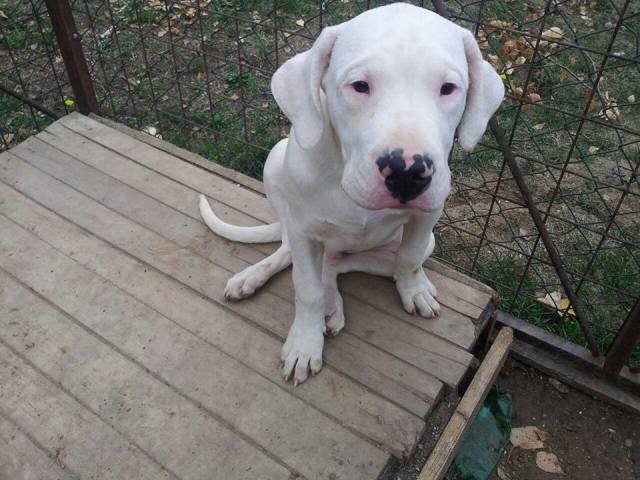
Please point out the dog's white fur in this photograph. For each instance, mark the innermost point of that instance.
(335, 213)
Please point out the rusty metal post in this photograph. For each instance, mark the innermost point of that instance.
(68, 38)
(626, 340)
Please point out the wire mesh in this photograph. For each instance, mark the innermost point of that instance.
(197, 73)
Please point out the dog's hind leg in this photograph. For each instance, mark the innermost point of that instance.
(246, 282)
(376, 262)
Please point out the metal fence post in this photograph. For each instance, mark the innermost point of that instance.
(626, 339)
(68, 38)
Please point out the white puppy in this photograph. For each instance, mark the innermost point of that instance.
(363, 177)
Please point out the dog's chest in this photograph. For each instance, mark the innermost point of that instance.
(356, 233)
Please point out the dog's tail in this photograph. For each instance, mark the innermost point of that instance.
(257, 234)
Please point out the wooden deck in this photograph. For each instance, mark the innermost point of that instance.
(120, 359)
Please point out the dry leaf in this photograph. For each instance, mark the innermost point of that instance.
(200, 76)
(555, 301)
(554, 33)
(190, 12)
(563, 75)
(520, 60)
(593, 149)
(548, 462)
(161, 33)
(265, 105)
(538, 126)
(534, 97)
(3, 15)
(528, 438)
(300, 23)
(151, 130)
(234, 97)
(631, 99)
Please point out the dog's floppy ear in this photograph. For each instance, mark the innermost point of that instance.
(296, 87)
(485, 94)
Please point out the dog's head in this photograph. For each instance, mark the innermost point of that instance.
(391, 86)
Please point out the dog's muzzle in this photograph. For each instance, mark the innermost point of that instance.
(405, 182)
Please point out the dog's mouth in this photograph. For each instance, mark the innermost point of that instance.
(381, 199)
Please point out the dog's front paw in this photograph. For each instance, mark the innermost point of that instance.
(417, 293)
(302, 352)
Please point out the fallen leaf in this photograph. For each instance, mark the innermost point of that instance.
(265, 105)
(69, 102)
(200, 76)
(161, 33)
(538, 126)
(564, 75)
(593, 149)
(300, 23)
(234, 97)
(631, 99)
(150, 130)
(554, 33)
(548, 462)
(190, 12)
(528, 438)
(6, 140)
(3, 15)
(520, 60)
(534, 97)
(33, 46)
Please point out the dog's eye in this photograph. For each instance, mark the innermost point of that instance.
(447, 88)
(360, 87)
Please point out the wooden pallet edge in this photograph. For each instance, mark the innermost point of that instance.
(462, 418)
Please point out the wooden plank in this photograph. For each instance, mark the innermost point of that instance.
(451, 439)
(232, 194)
(372, 367)
(255, 408)
(332, 393)
(171, 430)
(63, 428)
(381, 293)
(186, 155)
(558, 366)
(190, 234)
(21, 459)
(442, 268)
(428, 353)
(193, 177)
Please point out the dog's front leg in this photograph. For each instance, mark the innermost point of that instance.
(416, 291)
(302, 352)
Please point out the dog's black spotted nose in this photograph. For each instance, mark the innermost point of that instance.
(404, 183)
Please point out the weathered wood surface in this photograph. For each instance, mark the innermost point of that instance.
(119, 357)
(451, 439)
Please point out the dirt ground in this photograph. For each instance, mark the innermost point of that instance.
(592, 440)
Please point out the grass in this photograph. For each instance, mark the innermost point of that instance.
(233, 119)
